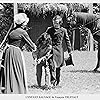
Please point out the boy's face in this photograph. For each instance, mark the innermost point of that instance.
(56, 23)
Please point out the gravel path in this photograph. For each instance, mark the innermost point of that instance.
(78, 79)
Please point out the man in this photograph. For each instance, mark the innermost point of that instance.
(57, 34)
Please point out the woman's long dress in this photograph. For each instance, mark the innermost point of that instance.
(15, 72)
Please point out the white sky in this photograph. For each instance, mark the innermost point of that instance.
(50, 1)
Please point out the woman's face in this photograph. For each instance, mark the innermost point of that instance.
(24, 25)
(56, 23)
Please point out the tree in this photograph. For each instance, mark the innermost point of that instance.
(6, 18)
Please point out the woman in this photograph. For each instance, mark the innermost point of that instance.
(15, 73)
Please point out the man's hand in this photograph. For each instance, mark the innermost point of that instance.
(50, 47)
(70, 55)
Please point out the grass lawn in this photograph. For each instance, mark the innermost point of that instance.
(74, 79)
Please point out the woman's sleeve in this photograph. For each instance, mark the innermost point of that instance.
(67, 40)
(28, 40)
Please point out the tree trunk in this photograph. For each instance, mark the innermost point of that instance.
(91, 37)
(15, 10)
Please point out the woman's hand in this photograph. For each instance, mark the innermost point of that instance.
(34, 54)
(35, 48)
